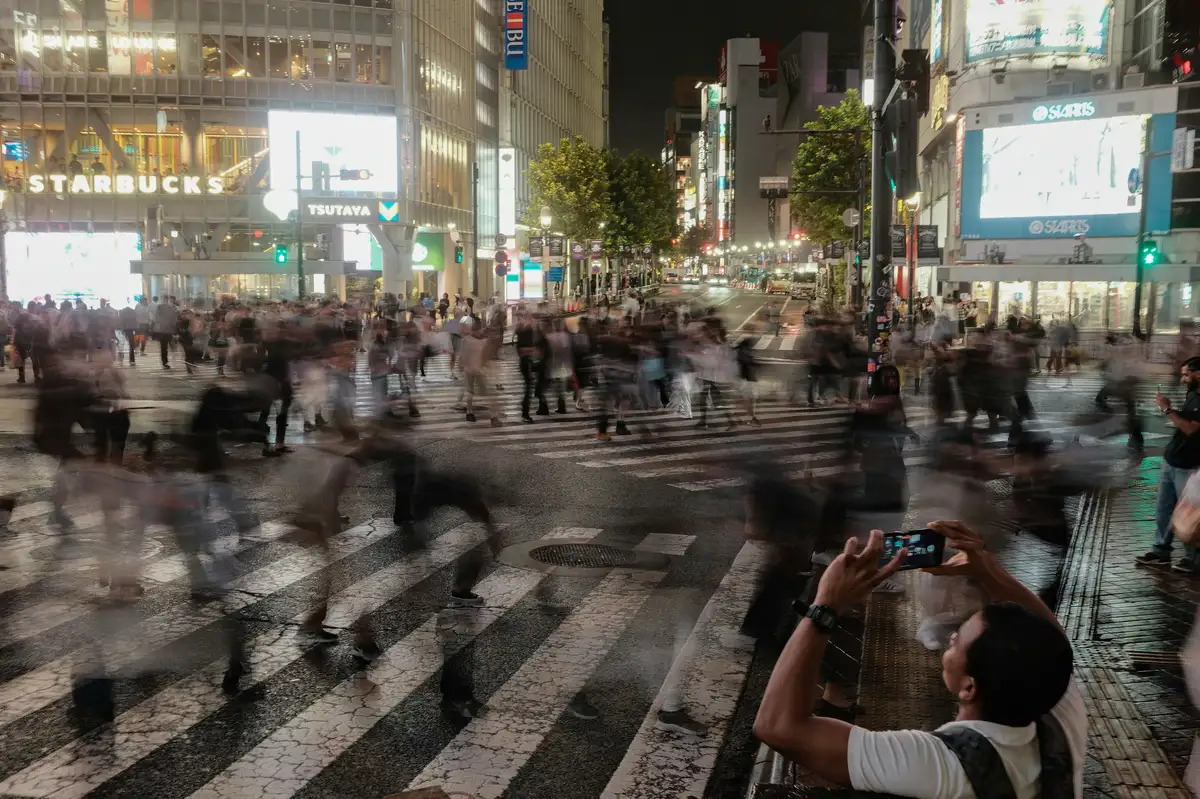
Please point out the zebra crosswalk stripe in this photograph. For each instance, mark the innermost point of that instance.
(37, 688)
(526, 707)
(87, 762)
(300, 749)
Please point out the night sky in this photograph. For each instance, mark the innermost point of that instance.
(653, 41)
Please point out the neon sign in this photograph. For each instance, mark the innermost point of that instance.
(124, 184)
(1052, 113)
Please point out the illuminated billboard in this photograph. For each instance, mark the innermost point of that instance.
(352, 142)
(71, 265)
(1078, 176)
(1000, 29)
(1075, 168)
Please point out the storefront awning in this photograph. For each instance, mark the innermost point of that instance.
(1098, 273)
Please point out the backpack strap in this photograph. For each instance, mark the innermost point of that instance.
(1057, 778)
(981, 762)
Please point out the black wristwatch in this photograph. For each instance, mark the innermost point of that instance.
(823, 617)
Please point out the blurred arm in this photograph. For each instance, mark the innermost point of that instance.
(785, 719)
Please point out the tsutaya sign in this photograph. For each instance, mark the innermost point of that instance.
(123, 184)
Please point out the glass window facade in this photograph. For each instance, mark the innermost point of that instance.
(154, 37)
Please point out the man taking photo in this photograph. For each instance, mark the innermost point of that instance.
(1021, 729)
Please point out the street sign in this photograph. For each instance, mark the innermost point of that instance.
(1134, 181)
(1183, 149)
(556, 275)
(927, 242)
(577, 250)
(898, 248)
(837, 251)
(536, 247)
(595, 269)
(558, 246)
(850, 217)
(596, 248)
(647, 249)
(501, 256)
(501, 240)
(501, 270)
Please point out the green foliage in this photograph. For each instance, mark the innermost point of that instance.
(643, 203)
(573, 181)
(827, 163)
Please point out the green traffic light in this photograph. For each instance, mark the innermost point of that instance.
(281, 255)
(1149, 258)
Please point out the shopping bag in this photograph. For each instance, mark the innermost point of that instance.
(1186, 517)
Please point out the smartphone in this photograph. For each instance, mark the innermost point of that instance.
(925, 548)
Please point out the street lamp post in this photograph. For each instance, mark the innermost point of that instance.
(545, 219)
(913, 203)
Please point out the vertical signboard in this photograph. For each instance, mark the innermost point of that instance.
(960, 144)
(936, 28)
(516, 34)
(507, 185)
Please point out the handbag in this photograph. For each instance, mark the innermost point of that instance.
(1185, 519)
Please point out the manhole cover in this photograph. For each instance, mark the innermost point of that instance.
(583, 556)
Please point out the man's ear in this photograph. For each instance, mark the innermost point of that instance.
(967, 691)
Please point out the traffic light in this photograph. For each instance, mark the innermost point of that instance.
(458, 253)
(355, 174)
(1150, 255)
(901, 162)
(281, 254)
(915, 71)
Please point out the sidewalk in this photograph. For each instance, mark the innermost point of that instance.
(1127, 624)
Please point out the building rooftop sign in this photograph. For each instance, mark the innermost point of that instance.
(123, 184)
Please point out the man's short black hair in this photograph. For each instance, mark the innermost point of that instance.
(1021, 663)
(1193, 364)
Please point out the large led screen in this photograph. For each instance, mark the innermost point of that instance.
(1001, 29)
(1062, 169)
(73, 265)
(343, 141)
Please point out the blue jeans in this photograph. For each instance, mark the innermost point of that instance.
(1170, 487)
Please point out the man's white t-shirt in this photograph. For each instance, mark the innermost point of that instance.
(917, 764)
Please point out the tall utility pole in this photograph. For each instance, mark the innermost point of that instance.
(299, 223)
(881, 287)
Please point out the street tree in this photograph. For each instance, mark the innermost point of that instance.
(572, 180)
(643, 202)
(826, 163)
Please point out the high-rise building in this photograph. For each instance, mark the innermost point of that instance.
(1054, 143)
(556, 92)
(157, 146)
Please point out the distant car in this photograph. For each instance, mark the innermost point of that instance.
(803, 291)
(691, 280)
(718, 280)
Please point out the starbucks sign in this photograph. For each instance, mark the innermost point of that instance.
(124, 184)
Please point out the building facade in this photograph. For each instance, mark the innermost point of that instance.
(164, 146)
(1052, 148)
(762, 93)
(560, 93)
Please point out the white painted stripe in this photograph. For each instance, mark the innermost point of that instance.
(789, 343)
(669, 471)
(707, 676)
(82, 765)
(713, 452)
(485, 757)
(299, 750)
(666, 543)
(579, 533)
(36, 689)
(737, 482)
(764, 342)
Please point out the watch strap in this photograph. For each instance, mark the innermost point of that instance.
(823, 617)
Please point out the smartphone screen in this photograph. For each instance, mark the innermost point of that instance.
(925, 548)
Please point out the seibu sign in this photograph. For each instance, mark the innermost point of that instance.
(123, 184)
